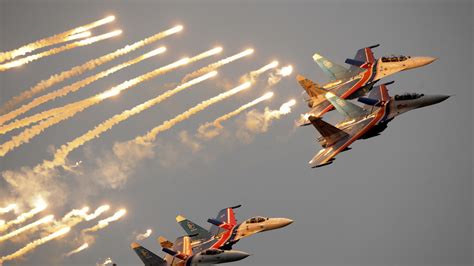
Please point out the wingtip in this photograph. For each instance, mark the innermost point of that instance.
(300, 77)
(316, 56)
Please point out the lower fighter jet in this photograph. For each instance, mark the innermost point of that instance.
(225, 231)
(185, 257)
(363, 122)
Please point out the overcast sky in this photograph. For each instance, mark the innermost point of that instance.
(402, 198)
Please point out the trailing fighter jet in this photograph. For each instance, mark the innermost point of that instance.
(355, 81)
(185, 257)
(363, 122)
(225, 231)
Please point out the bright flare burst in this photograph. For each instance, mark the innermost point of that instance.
(77, 250)
(89, 65)
(27, 227)
(105, 222)
(8, 208)
(58, 38)
(286, 71)
(63, 92)
(34, 244)
(216, 65)
(57, 50)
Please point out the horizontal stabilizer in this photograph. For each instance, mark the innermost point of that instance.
(220, 224)
(149, 258)
(165, 243)
(330, 133)
(369, 101)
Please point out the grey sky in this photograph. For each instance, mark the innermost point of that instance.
(403, 198)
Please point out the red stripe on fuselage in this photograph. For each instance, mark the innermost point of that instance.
(378, 117)
(225, 237)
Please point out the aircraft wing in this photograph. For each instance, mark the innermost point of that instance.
(352, 132)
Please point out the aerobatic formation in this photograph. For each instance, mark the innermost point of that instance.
(214, 246)
(34, 195)
(360, 122)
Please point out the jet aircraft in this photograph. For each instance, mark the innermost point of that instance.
(363, 122)
(225, 231)
(355, 81)
(185, 257)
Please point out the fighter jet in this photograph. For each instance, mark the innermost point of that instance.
(363, 122)
(355, 81)
(186, 256)
(225, 231)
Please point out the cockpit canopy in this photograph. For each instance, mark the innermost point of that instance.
(395, 58)
(212, 251)
(408, 96)
(256, 219)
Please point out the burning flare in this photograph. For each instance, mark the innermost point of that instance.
(204, 130)
(8, 208)
(34, 244)
(280, 73)
(79, 32)
(27, 227)
(31, 58)
(63, 92)
(105, 222)
(77, 250)
(89, 65)
(216, 65)
(252, 76)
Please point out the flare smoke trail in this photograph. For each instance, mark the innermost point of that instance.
(8, 208)
(53, 51)
(105, 222)
(204, 130)
(252, 76)
(257, 122)
(65, 91)
(34, 244)
(150, 137)
(55, 39)
(70, 110)
(89, 65)
(144, 235)
(61, 154)
(280, 73)
(27, 227)
(106, 262)
(39, 207)
(81, 35)
(77, 250)
(216, 65)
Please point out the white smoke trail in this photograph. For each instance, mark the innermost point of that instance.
(280, 73)
(144, 235)
(27, 227)
(105, 222)
(8, 208)
(55, 39)
(87, 66)
(77, 250)
(53, 51)
(40, 206)
(34, 244)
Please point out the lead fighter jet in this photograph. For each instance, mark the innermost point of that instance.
(355, 81)
(363, 122)
(225, 231)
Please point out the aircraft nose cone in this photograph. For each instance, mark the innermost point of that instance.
(235, 255)
(286, 222)
(434, 99)
(425, 60)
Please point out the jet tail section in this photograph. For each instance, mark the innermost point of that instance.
(380, 92)
(331, 69)
(192, 228)
(330, 133)
(315, 92)
(148, 257)
(345, 107)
